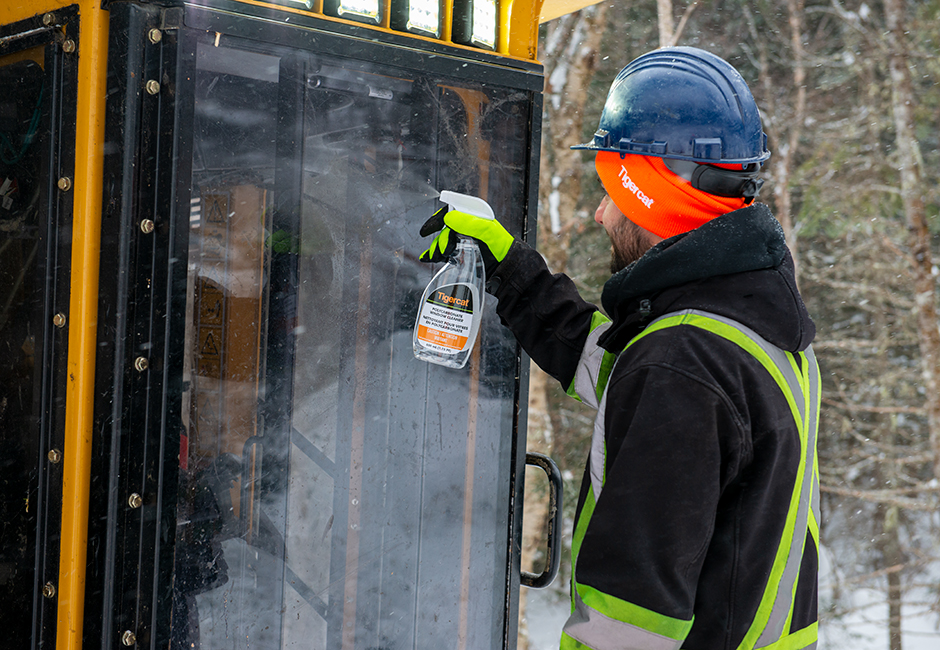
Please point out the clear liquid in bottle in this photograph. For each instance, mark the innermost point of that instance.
(451, 309)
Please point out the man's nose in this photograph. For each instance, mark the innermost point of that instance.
(599, 213)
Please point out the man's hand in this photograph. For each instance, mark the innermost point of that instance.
(493, 239)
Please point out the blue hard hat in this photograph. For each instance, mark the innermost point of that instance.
(683, 103)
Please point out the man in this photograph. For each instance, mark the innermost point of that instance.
(697, 522)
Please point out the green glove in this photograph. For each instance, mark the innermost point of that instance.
(493, 239)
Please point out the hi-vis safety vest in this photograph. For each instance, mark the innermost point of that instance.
(599, 620)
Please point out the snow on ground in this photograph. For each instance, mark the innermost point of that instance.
(547, 611)
(866, 627)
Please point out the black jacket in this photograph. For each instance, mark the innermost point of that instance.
(699, 439)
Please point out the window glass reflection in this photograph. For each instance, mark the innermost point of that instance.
(23, 261)
(336, 492)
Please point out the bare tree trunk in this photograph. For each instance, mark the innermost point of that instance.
(784, 172)
(569, 55)
(666, 30)
(570, 58)
(912, 191)
(894, 608)
(890, 546)
(785, 132)
(928, 335)
(670, 34)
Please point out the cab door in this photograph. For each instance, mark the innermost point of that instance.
(278, 470)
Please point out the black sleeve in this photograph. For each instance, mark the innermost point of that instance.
(665, 440)
(543, 310)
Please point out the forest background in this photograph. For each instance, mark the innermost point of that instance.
(850, 101)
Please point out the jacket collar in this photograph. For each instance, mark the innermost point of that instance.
(678, 273)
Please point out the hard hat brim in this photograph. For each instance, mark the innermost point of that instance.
(591, 146)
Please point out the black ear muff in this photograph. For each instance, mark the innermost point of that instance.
(728, 182)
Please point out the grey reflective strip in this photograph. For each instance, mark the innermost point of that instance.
(585, 385)
(814, 389)
(589, 367)
(783, 601)
(596, 630)
(599, 450)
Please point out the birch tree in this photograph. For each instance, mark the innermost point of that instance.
(910, 164)
(569, 54)
(925, 296)
(785, 115)
(669, 31)
(873, 296)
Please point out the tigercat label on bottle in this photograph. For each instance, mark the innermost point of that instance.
(446, 318)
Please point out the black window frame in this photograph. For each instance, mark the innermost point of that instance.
(50, 31)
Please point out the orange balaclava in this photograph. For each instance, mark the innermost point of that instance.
(655, 198)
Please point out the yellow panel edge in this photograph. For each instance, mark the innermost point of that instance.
(83, 318)
(521, 20)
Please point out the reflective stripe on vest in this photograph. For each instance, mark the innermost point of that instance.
(589, 386)
(594, 366)
(591, 628)
(799, 383)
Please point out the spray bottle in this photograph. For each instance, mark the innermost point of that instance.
(452, 305)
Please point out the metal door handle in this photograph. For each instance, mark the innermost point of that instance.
(555, 495)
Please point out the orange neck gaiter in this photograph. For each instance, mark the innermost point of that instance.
(654, 198)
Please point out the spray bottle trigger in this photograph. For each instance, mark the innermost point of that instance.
(469, 204)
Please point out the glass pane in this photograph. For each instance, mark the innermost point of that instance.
(338, 493)
(22, 254)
